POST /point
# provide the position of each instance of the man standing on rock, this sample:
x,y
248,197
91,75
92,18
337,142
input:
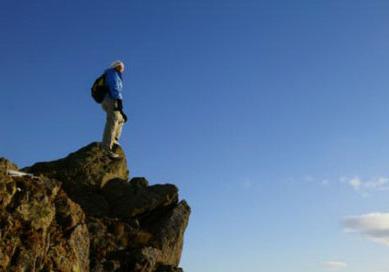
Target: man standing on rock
x,y
113,106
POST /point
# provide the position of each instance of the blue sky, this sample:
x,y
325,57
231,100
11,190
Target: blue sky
x,y
270,116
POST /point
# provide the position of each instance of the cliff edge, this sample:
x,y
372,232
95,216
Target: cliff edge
x,y
82,213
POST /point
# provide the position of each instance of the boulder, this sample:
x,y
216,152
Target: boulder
x,y
129,199
88,168
83,173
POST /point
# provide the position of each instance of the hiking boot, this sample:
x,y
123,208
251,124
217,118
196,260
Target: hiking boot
x,y
110,153
113,155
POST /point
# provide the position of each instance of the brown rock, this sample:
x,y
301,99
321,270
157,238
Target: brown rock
x,y
146,259
83,173
139,181
168,233
81,213
42,229
129,199
89,167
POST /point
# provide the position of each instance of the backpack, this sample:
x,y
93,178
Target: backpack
x,y
99,90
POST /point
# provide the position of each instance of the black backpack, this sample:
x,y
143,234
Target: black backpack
x,y
99,90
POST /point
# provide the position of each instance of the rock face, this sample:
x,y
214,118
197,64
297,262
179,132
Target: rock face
x,y
41,228
81,213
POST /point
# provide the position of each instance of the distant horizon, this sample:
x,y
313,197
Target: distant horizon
x,y
271,117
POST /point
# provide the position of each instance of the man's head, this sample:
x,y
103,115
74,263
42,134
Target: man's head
x,y
118,65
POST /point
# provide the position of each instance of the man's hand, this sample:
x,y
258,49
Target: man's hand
x,y
119,105
124,116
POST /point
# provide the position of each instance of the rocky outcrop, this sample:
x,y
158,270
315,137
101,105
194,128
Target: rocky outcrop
x,y
81,213
41,228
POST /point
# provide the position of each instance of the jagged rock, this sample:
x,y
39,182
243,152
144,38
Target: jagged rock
x,y
131,199
168,232
89,167
116,225
139,182
41,228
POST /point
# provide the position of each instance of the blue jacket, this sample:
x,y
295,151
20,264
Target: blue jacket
x,y
114,82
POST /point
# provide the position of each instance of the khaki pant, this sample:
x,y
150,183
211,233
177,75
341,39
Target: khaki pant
x,y
113,124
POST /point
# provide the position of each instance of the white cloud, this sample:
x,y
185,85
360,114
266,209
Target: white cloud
x,y
367,185
334,265
355,183
374,226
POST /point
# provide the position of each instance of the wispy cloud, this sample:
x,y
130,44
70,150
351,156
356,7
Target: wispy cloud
x,y
373,226
373,184
363,186
334,265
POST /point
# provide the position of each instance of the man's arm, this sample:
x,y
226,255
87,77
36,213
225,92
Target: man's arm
x,y
119,107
